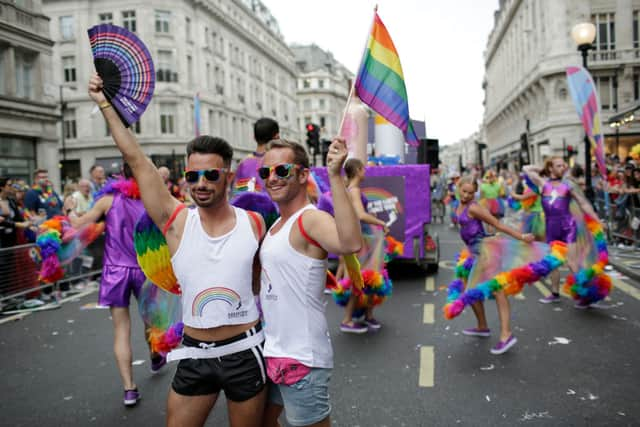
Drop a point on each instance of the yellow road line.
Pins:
(430, 284)
(546, 292)
(626, 288)
(428, 314)
(427, 358)
(13, 318)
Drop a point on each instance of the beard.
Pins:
(215, 198)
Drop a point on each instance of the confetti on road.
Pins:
(570, 392)
(70, 321)
(557, 309)
(488, 398)
(613, 316)
(137, 362)
(532, 416)
(559, 340)
(54, 333)
(487, 368)
(68, 397)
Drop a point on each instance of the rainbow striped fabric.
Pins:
(380, 81)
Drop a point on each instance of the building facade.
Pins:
(28, 96)
(526, 95)
(322, 89)
(229, 52)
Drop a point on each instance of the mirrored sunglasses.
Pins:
(282, 171)
(213, 174)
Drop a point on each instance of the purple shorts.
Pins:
(117, 284)
(561, 228)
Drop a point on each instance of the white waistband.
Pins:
(210, 351)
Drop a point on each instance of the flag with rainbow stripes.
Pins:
(380, 81)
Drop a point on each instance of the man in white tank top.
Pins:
(223, 340)
(294, 262)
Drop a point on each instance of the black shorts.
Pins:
(240, 375)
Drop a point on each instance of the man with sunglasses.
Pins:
(212, 253)
(293, 255)
(246, 177)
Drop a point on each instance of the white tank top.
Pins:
(215, 273)
(292, 300)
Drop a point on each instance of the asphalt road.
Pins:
(569, 367)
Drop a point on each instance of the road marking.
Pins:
(428, 314)
(427, 356)
(626, 288)
(430, 284)
(18, 316)
(546, 292)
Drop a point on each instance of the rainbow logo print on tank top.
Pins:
(227, 295)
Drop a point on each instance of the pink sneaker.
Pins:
(477, 332)
(504, 346)
(551, 298)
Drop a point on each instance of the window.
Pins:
(66, 28)
(321, 84)
(187, 28)
(3, 73)
(189, 70)
(105, 18)
(69, 68)
(607, 88)
(605, 31)
(636, 30)
(167, 118)
(164, 72)
(129, 20)
(212, 124)
(69, 123)
(208, 75)
(162, 21)
(136, 127)
(322, 121)
(306, 104)
(306, 84)
(25, 64)
(321, 104)
(206, 37)
(636, 86)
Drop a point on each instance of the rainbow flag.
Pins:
(585, 98)
(380, 81)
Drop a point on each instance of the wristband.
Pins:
(104, 104)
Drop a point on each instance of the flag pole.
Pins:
(353, 84)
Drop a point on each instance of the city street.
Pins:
(570, 367)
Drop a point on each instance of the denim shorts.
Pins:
(305, 402)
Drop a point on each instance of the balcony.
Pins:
(614, 56)
(28, 20)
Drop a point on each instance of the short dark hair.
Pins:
(265, 129)
(38, 171)
(206, 144)
(352, 166)
(94, 167)
(300, 156)
(4, 180)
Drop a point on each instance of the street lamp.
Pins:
(583, 35)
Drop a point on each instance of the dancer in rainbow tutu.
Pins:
(490, 276)
(571, 219)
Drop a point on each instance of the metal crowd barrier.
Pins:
(623, 220)
(19, 276)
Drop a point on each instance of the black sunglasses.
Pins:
(213, 174)
(283, 170)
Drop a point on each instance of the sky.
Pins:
(440, 44)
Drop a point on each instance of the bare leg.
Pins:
(243, 414)
(504, 315)
(555, 281)
(188, 411)
(478, 310)
(369, 314)
(271, 414)
(341, 269)
(348, 310)
(122, 344)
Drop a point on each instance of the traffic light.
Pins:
(571, 151)
(313, 136)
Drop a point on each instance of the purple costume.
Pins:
(471, 230)
(121, 274)
(247, 178)
(560, 225)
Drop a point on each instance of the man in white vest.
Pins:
(293, 255)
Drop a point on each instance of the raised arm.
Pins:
(100, 208)
(477, 211)
(533, 172)
(342, 235)
(155, 196)
(361, 213)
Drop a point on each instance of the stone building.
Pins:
(28, 96)
(526, 95)
(229, 52)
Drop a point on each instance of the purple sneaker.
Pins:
(356, 328)
(504, 346)
(477, 332)
(157, 363)
(372, 324)
(551, 298)
(131, 397)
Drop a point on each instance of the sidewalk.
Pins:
(626, 261)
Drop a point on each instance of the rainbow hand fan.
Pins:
(126, 68)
